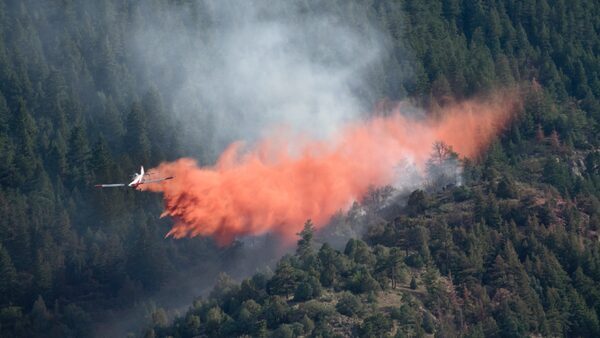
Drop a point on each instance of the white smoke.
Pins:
(236, 69)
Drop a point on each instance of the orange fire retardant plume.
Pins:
(280, 183)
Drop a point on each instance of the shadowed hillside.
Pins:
(511, 251)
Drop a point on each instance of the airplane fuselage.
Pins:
(138, 179)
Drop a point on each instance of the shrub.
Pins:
(414, 261)
(349, 304)
(304, 291)
(461, 194)
(377, 325)
(428, 323)
(413, 283)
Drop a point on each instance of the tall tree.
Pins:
(304, 248)
(8, 277)
(136, 139)
(78, 157)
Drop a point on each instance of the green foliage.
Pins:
(305, 242)
(512, 252)
(349, 304)
(285, 281)
(8, 276)
(506, 188)
(417, 203)
(317, 310)
(283, 331)
(413, 283)
(377, 325)
(404, 314)
(331, 263)
(359, 252)
(461, 194)
(136, 138)
(304, 292)
(428, 323)
(361, 281)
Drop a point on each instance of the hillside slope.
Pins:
(514, 251)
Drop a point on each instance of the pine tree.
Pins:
(136, 139)
(328, 259)
(304, 248)
(413, 283)
(4, 116)
(162, 140)
(101, 162)
(285, 280)
(40, 316)
(56, 101)
(8, 277)
(417, 203)
(57, 156)
(78, 157)
(25, 132)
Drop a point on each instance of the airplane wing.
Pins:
(157, 180)
(116, 185)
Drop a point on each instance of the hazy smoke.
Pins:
(234, 69)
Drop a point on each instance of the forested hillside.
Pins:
(515, 251)
(75, 112)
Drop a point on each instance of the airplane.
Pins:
(138, 179)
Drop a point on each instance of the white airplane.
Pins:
(138, 179)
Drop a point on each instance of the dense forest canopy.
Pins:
(514, 251)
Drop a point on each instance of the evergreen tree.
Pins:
(24, 129)
(136, 139)
(8, 276)
(305, 242)
(78, 158)
(285, 280)
(505, 232)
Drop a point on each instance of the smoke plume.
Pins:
(279, 183)
(236, 68)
